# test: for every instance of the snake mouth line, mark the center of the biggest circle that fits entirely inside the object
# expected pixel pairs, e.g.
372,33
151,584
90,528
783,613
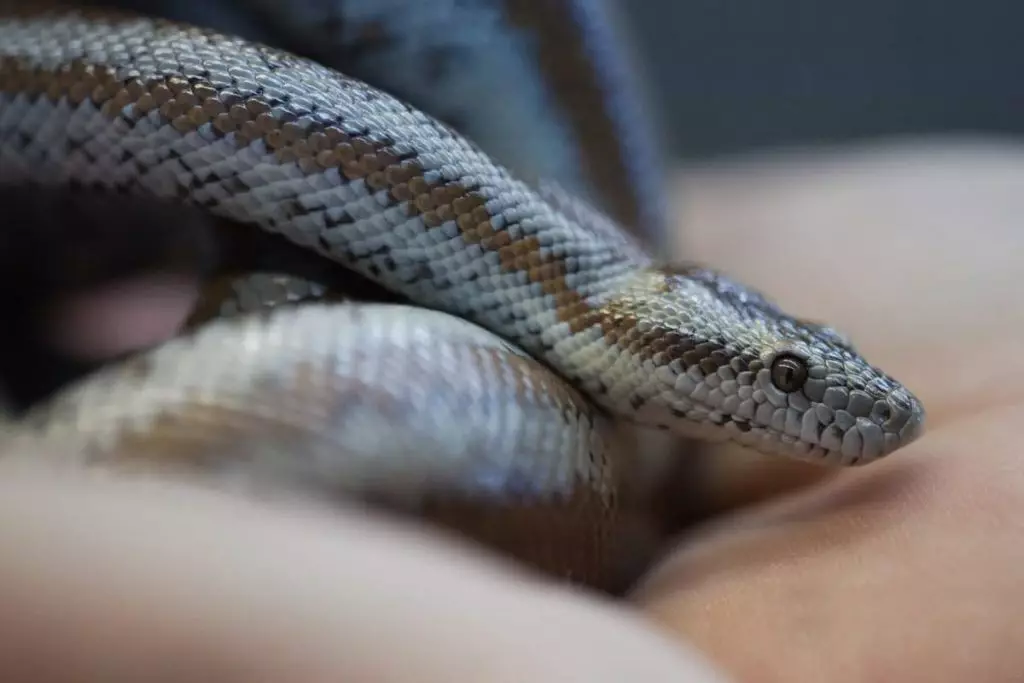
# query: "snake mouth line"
756,435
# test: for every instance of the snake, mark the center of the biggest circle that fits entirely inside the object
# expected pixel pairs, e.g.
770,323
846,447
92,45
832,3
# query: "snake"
524,323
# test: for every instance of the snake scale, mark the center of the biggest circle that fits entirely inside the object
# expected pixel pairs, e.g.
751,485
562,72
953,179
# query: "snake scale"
529,325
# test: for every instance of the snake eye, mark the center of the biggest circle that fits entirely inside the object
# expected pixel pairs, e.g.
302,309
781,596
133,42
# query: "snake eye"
788,373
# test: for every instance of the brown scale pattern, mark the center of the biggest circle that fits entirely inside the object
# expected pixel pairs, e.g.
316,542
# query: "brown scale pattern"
187,103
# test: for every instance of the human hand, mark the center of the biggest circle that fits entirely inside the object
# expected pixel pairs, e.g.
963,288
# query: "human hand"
905,570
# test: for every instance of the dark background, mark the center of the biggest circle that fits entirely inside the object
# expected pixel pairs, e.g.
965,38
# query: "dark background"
749,75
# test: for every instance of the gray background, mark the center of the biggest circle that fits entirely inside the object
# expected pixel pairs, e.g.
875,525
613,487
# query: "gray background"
747,75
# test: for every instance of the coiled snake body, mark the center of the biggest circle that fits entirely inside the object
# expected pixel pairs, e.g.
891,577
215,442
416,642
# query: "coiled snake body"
538,322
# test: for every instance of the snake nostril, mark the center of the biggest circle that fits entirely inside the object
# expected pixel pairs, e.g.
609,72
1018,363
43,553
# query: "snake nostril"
913,427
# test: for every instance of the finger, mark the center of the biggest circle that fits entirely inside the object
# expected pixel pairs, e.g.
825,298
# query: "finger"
123,316
131,579
909,570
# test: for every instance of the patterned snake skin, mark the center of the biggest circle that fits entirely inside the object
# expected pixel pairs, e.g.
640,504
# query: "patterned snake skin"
492,405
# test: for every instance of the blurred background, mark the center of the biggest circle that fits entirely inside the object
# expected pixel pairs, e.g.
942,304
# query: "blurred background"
749,76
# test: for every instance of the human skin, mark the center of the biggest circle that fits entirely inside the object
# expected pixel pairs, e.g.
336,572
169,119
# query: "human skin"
909,569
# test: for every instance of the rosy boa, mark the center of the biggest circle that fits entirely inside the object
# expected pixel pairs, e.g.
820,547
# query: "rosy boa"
531,325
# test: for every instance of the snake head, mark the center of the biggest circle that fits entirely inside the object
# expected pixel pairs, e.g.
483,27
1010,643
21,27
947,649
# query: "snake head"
722,362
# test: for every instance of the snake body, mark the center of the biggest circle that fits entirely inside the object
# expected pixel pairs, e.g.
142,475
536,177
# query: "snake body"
548,89
539,324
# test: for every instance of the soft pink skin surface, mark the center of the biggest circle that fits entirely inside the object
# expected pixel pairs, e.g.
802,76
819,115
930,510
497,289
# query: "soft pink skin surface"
123,316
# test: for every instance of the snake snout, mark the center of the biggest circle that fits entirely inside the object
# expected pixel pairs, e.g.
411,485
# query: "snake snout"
901,416
860,415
